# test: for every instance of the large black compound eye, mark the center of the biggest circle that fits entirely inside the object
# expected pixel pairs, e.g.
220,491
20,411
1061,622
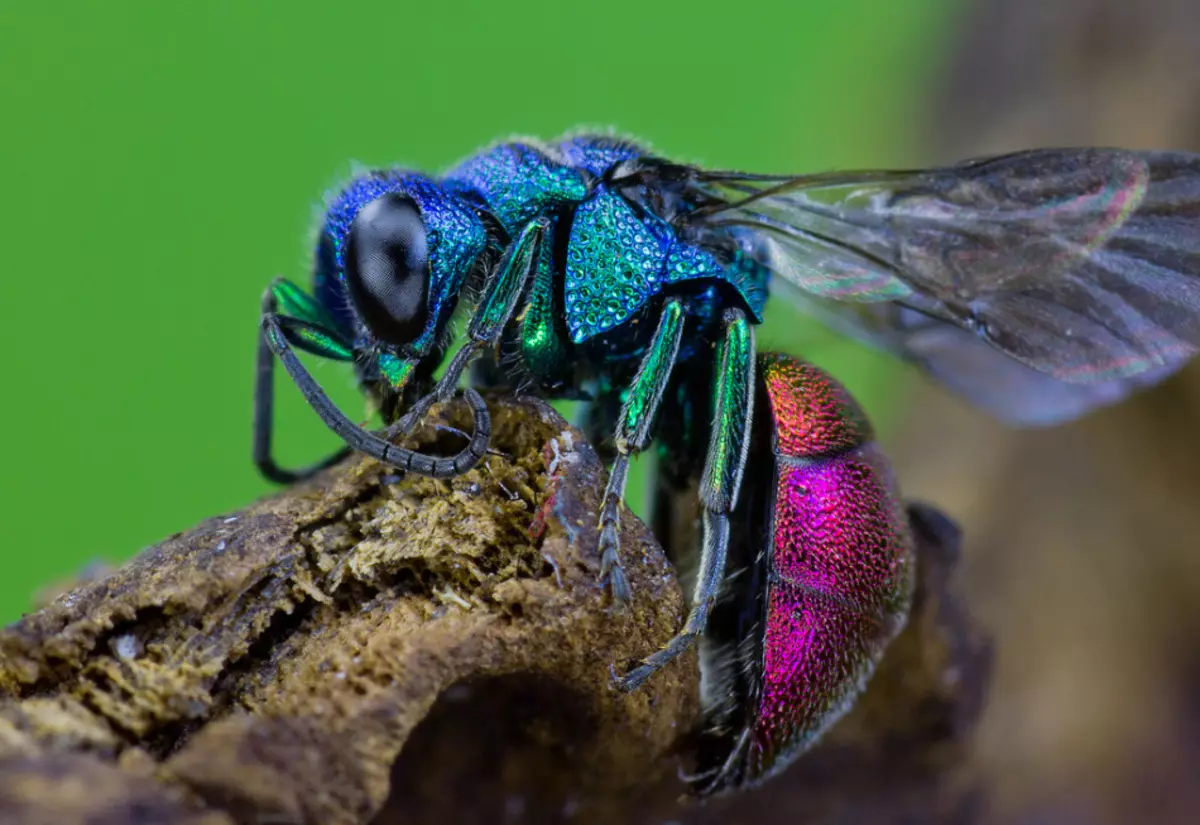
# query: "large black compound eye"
387,268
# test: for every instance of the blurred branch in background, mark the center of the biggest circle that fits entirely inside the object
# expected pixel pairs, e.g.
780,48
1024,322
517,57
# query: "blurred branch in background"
1082,542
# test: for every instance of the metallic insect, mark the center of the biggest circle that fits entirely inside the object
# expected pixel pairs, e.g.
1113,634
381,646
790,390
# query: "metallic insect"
1039,284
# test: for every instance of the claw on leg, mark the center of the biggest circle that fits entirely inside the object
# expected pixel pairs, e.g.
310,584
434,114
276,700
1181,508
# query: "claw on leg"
619,586
652,664
611,571
708,584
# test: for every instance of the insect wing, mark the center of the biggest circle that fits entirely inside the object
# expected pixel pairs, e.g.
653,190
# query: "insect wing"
967,365
1082,264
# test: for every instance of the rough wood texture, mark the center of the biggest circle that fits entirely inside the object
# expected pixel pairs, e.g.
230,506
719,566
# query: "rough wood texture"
367,648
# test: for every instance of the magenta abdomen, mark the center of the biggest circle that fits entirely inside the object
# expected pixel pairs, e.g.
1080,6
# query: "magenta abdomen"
841,561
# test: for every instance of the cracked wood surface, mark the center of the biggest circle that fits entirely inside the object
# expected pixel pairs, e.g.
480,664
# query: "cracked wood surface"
373,648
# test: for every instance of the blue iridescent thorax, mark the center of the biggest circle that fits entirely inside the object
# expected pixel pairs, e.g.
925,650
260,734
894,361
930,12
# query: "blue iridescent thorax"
597,154
455,235
617,260
518,181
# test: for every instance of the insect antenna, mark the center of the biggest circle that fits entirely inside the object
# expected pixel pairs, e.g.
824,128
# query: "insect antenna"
366,442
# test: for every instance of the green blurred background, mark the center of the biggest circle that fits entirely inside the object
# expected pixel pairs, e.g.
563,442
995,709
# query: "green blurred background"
161,162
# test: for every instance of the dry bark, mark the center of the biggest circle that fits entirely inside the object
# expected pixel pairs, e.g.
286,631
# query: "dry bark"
373,648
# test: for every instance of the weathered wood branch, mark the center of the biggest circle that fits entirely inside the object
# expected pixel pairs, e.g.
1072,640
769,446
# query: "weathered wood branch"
371,648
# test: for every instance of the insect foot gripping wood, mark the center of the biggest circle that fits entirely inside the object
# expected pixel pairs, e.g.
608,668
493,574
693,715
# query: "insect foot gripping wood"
365,646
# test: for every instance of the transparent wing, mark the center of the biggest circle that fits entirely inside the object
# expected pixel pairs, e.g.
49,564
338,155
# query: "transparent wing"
966,364
1081,264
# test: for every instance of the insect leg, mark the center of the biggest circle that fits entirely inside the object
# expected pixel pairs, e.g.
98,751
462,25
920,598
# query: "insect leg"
277,338
634,430
725,463
501,294
306,317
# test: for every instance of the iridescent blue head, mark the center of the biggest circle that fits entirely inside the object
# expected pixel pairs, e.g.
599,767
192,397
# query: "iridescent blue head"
392,257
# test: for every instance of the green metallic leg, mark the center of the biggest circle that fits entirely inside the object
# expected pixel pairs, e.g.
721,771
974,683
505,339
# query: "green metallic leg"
542,343
633,434
501,294
733,411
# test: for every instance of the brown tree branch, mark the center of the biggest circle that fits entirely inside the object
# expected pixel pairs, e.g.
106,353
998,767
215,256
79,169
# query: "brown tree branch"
372,648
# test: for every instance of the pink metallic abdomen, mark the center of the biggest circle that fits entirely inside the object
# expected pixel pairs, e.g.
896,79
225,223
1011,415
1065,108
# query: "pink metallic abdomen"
842,561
